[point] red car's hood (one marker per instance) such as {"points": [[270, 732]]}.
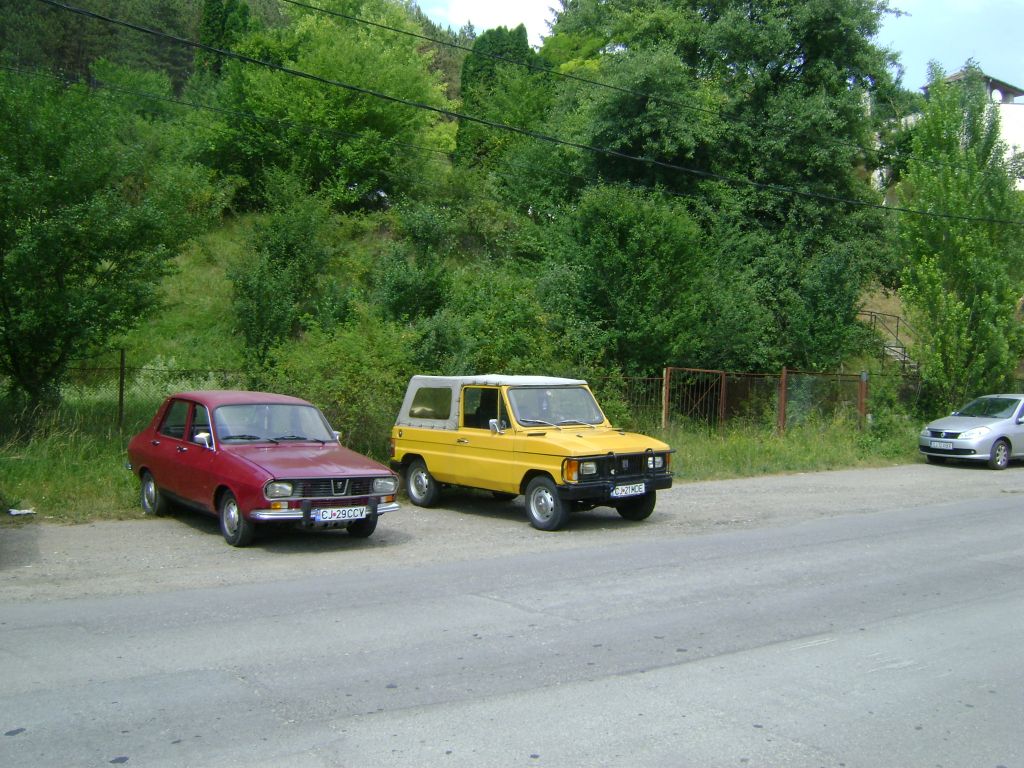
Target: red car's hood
{"points": [[307, 460]]}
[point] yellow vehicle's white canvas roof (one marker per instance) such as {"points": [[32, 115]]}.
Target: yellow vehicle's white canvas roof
{"points": [[456, 383]]}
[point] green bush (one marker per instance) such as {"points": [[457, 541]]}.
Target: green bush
{"points": [[356, 374]]}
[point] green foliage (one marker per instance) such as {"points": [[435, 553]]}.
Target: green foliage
{"points": [[34, 35], [92, 205], [749, 450], [493, 88], [355, 373], [221, 24], [963, 278], [410, 287], [635, 271], [283, 280], [492, 322], [350, 147]]}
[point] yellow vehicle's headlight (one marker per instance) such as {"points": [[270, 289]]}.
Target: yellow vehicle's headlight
{"points": [[658, 461]]}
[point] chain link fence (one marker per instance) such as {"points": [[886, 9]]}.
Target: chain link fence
{"points": [[124, 398]]}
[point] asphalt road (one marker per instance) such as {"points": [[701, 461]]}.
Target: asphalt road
{"points": [[871, 618]]}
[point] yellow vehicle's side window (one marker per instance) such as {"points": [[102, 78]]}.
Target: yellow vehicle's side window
{"points": [[431, 403], [480, 405]]}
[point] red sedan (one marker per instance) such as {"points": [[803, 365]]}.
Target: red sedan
{"points": [[252, 457]]}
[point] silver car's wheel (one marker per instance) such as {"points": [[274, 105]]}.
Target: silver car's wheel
{"points": [[999, 458], [544, 506]]}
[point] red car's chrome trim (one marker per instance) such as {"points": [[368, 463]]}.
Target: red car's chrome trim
{"points": [[296, 514]]}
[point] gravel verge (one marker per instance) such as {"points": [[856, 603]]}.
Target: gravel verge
{"points": [[183, 551]]}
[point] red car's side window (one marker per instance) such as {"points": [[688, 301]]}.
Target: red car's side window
{"points": [[174, 421]]}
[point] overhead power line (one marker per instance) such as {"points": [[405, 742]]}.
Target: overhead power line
{"points": [[551, 71], [503, 59], [740, 181]]}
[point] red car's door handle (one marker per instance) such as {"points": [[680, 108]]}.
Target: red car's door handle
{"points": [[182, 449], [154, 442]]}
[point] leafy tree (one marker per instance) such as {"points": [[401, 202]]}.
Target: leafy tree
{"points": [[353, 148], [965, 266], [39, 36], [222, 23], [492, 88], [635, 272], [763, 102], [92, 206]]}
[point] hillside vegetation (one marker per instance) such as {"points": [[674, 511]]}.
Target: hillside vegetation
{"points": [[331, 199]]}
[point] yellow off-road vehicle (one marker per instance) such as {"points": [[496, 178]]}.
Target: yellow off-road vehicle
{"points": [[545, 438]]}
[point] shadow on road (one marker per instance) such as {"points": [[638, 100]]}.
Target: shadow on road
{"points": [[286, 538]]}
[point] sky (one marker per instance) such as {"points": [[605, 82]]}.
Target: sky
{"points": [[949, 31]]}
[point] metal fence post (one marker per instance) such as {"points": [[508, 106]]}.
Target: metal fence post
{"points": [[120, 392], [781, 425], [862, 398], [665, 383], [721, 401]]}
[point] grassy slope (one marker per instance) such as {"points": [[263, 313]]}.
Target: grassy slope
{"points": [[76, 473], [195, 328]]}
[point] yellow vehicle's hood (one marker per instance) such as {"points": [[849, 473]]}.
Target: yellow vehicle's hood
{"points": [[583, 441]]}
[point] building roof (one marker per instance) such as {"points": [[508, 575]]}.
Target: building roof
{"points": [[1009, 92]]}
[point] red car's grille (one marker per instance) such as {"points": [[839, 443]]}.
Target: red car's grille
{"points": [[325, 487]]}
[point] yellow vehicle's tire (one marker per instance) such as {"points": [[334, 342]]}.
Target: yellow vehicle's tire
{"points": [[639, 508], [420, 485], [545, 508]]}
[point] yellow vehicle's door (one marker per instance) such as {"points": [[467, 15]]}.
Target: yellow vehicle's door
{"points": [[484, 458]]}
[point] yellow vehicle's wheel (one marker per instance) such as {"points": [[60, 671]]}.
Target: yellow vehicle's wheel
{"points": [[546, 509], [420, 485], [638, 508]]}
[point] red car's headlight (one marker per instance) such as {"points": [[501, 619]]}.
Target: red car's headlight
{"points": [[277, 489]]}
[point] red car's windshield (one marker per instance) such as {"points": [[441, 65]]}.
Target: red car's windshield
{"points": [[270, 422]]}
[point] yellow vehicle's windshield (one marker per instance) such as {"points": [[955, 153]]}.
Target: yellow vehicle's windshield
{"points": [[554, 406]]}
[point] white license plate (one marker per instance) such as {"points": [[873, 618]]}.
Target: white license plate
{"points": [[945, 445], [327, 515], [636, 489]]}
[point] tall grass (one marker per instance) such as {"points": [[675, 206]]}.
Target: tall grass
{"points": [[68, 475], [77, 474], [744, 449]]}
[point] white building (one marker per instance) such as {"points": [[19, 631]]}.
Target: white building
{"points": [[1011, 113]]}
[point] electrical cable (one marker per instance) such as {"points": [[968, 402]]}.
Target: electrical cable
{"points": [[517, 130]]}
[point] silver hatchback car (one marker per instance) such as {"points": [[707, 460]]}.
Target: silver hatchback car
{"points": [[990, 429]]}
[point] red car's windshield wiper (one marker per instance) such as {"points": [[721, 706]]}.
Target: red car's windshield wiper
{"points": [[248, 437], [300, 437]]}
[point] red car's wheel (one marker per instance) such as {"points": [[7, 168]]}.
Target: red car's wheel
{"points": [[238, 531], [153, 500], [363, 529]]}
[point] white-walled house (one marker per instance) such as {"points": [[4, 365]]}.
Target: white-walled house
{"points": [[1011, 112]]}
